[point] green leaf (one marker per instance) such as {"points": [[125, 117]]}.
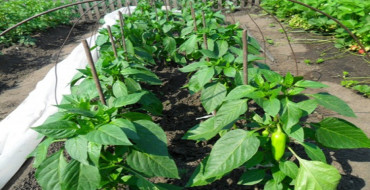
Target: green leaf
{"points": [[209, 53], [256, 159], [333, 103], [78, 176], [142, 75], [271, 106], [231, 151], [151, 104], [49, 173], [132, 85], [296, 132], [288, 80], [339, 133], [192, 67], [169, 44], [251, 177], [308, 106], [203, 131], [127, 126], [119, 89], [40, 153], [93, 150], [190, 45], [314, 152], [200, 78], [291, 114], [77, 148], [212, 96], [310, 84], [239, 92], [58, 129], [289, 168], [277, 174], [223, 47], [152, 138], [128, 99], [273, 185], [316, 175], [230, 72], [229, 112], [108, 135], [152, 165]]}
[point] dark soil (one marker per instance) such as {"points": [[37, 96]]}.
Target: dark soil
{"points": [[181, 109]]}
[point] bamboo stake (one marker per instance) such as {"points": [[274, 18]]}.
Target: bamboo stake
{"points": [[123, 34], [204, 34], [245, 56], [128, 8], [155, 10], [93, 71], [193, 15], [166, 7], [112, 41]]}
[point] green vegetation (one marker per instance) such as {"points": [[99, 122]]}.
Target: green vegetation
{"points": [[118, 145], [354, 14], [359, 84], [14, 11]]}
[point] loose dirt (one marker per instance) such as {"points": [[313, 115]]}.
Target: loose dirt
{"points": [[22, 67]]}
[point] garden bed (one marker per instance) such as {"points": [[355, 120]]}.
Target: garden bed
{"points": [[181, 109]]}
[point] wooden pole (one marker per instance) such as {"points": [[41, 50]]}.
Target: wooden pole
{"points": [[193, 15], [166, 7], [128, 7], [204, 34], [112, 41], [122, 33], [93, 71], [245, 56]]}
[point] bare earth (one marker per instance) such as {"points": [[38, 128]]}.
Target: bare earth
{"points": [[22, 67]]}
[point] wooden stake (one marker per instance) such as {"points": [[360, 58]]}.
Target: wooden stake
{"points": [[165, 2], [204, 35], [122, 33], [155, 10], [128, 7], [245, 56], [112, 41], [193, 15], [93, 71]]}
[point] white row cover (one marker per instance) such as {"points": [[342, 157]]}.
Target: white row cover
{"points": [[17, 139]]}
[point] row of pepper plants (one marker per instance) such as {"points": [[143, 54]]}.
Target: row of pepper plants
{"points": [[118, 145]]}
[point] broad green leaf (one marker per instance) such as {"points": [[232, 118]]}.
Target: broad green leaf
{"points": [[339, 133], [288, 80], [132, 85], [314, 152], [271, 76], [229, 112], [142, 75], [40, 153], [152, 138], [289, 168], [134, 116], [93, 150], [273, 185], [291, 114], [169, 44], [87, 88], [296, 132], [102, 39], [230, 72], [77, 148], [333, 103], [200, 78], [119, 89], [167, 27], [277, 174], [240, 92], [192, 67], [152, 165], [316, 175], [310, 84], [209, 53], [190, 45], [308, 106], [187, 30], [127, 126], [230, 151], [223, 46], [78, 176], [271, 106], [108, 135], [203, 131], [212, 96], [49, 173], [256, 159], [251, 177], [58, 129], [151, 104], [128, 99], [130, 47]]}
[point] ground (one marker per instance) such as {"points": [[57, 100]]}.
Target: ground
{"points": [[21, 68]]}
